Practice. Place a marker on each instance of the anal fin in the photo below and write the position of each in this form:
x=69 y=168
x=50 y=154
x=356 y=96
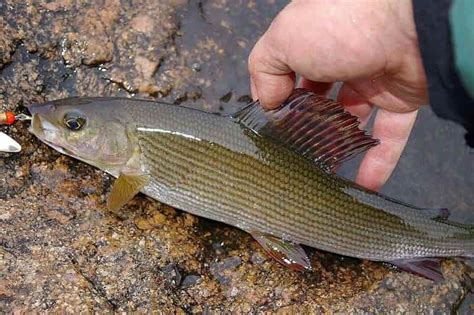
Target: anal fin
x=429 y=268
x=287 y=253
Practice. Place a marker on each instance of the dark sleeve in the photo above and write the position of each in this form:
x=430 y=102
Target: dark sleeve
x=448 y=98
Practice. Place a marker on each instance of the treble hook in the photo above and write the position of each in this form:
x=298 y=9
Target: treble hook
x=23 y=117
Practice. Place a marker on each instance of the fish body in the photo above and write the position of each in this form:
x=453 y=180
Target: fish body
x=252 y=171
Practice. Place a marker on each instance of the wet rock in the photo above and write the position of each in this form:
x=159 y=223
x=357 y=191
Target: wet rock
x=88 y=51
x=146 y=69
x=395 y=293
x=172 y=276
x=8 y=46
x=467 y=305
x=257 y=258
x=219 y=248
x=190 y=280
x=61 y=250
x=220 y=269
x=143 y=24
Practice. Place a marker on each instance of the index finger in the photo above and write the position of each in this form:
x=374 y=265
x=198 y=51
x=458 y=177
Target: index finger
x=272 y=80
x=393 y=130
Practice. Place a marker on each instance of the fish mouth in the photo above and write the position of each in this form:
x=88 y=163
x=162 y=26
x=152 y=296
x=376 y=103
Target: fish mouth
x=38 y=112
x=41 y=127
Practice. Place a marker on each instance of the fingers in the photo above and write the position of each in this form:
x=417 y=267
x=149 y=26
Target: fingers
x=253 y=90
x=321 y=47
x=393 y=130
x=272 y=81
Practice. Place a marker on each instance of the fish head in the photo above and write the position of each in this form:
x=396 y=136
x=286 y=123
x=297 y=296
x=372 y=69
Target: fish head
x=84 y=129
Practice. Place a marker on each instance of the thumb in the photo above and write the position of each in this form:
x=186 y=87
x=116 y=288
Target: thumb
x=272 y=79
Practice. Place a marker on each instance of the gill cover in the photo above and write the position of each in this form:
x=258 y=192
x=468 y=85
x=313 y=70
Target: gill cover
x=94 y=131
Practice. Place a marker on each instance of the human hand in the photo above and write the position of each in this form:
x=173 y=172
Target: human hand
x=371 y=46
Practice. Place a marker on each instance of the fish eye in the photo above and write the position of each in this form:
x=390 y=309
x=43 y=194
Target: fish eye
x=74 y=121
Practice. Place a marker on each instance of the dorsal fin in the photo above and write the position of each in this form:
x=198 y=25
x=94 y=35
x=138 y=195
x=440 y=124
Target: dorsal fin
x=311 y=125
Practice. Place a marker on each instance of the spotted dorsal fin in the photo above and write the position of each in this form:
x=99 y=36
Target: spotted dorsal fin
x=312 y=125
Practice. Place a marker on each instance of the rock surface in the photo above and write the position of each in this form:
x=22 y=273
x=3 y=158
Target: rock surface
x=61 y=250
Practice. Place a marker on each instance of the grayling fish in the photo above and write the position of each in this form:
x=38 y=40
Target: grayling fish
x=266 y=172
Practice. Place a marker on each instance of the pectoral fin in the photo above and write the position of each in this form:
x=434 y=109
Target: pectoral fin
x=126 y=186
x=288 y=254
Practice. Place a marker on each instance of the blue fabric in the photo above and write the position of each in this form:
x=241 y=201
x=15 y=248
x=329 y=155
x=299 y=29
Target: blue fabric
x=462 y=31
x=449 y=97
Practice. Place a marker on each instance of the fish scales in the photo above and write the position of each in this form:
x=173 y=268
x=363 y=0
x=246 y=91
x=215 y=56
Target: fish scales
x=283 y=195
x=248 y=194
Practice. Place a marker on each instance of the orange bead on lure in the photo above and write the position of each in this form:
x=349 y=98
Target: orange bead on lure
x=7 y=118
